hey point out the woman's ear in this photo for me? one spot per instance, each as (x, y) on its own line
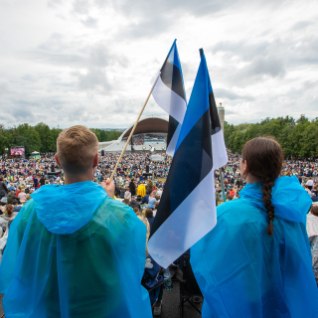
(243, 168)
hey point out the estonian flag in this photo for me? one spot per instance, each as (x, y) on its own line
(169, 94)
(187, 207)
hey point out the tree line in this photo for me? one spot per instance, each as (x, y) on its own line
(41, 137)
(299, 138)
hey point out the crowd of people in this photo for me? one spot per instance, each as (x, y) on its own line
(139, 183)
(18, 174)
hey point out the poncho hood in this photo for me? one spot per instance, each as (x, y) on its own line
(64, 209)
(290, 200)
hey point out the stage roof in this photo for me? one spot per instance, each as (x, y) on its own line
(148, 125)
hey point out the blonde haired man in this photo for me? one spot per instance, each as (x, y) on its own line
(73, 251)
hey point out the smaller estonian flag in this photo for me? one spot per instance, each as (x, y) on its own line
(169, 94)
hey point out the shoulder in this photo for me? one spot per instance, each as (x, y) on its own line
(117, 205)
(115, 214)
(235, 206)
(27, 208)
(117, 223)
(240, 211)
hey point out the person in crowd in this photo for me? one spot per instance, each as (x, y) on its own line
(42, 180)
(36, 183)
(72, 250)
(312, 231)
(256, 262)
(141, 189)
(7, 216)
(152, 200)
(309, 187)
(312, 221)
(136, 206)
(9, 213)
(145, 199)
(149, 186)
(3, 188)
(22, 196)
(159, 193)
(132, 187)
(17, 205)
(5, 221)
(148, 213)
(127, 195)
(18, 190)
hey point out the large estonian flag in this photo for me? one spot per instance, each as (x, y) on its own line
(187, 209)
(169, 94)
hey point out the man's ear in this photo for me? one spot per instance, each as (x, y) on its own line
(56, 157)
(95, 160)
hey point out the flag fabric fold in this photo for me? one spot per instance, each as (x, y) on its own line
(187, 207)
(169, 94)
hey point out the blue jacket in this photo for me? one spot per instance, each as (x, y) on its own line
(74, 252)
(244, 272)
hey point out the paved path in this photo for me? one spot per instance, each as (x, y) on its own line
(171, 305)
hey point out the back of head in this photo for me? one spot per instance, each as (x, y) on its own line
(148, 213)
(76, 148)
(9, 210)
(264, 159)
(314, 209)
(135, 206)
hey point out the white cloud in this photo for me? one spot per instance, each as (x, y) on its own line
(93, 61)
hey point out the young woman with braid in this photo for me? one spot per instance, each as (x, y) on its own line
(256, 262)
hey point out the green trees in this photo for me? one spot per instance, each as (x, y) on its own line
(5, 139)
(41, 137)
(27, 136)
(299, 138)
(106, 135)
(47, 138)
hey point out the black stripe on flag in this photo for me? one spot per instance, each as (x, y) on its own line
(184, 175)
(215, 120)
(172, 78)
(173, 124)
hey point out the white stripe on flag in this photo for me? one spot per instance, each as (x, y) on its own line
(173, 142)
(168, 100)
(219, 150)
(186, 225)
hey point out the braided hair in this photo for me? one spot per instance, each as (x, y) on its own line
(264, 159)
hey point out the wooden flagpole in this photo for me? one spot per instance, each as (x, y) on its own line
(133, 129)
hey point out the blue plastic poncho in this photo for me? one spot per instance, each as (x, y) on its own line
(244, 272)
(74, 252)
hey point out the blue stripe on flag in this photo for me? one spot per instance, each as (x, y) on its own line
(189, 189)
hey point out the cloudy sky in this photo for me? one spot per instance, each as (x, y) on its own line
(93, 62)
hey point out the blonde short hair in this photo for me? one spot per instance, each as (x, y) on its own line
(76, 148)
